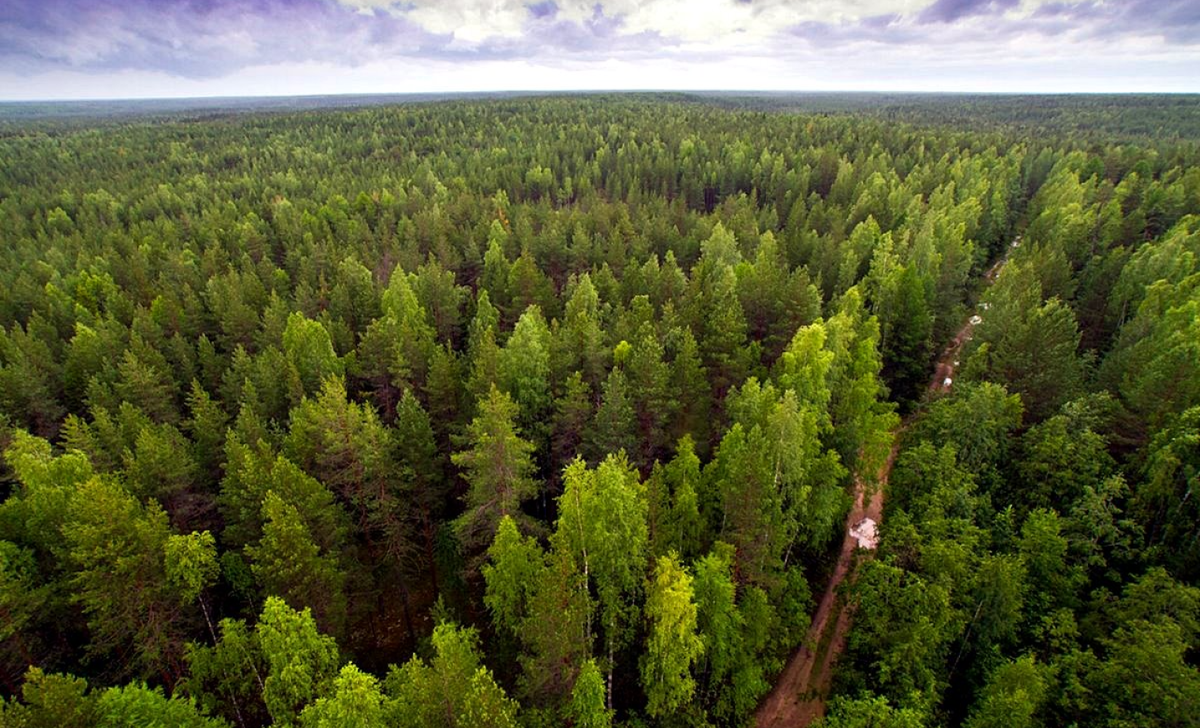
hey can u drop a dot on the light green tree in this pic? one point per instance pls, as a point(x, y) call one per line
point(301, 662)
point(354, 701)
point(454, 690)
point(672, 646)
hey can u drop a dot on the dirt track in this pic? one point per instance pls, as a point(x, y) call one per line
point(798, 697)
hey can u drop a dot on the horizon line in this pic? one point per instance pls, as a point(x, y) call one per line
point(589, 91)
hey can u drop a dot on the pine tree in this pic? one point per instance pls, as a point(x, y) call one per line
point(498, 468)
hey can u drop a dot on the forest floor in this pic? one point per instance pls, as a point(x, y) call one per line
point(798, 698)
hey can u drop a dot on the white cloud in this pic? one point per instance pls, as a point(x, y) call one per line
point(315, 47)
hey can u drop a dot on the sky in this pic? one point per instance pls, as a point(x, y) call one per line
point(77, 49)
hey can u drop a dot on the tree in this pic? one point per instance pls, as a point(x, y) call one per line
point(614, 428)
point(581, 340)
point(672, 496)
point(572, 413)
point(1060, 457)
point(160, 466)
point(116, 548)
point(310, 354)
point(869, 712)
point(778, 487)
point(51, 701)
point(648, 377)
point(288, 563)
point(301, 662)
point(1053, 581)
point(907, 330)
point(672, 645)
point(511, 574)
point(587, 709)
point(396, 348)
point(1029, 346)
point(861, 418)
point(141, 705)
point(1012, 697)
point(498, 469)
point(978, 421)
point(354, 701)
point(452, 691)
point(227, 678)
point(524, 373)
point(718, 316)
point(206, 426)
point(191, 568)
point(904, 627)
point(1144, 678)
point(1149, 367)
point(345, 446)
point(555, 632)
point(148, 387)
point(253, 472)
point(418, 454)
point(691, 389)
point(1164, 500)
point(442, 298)
point(602, 524)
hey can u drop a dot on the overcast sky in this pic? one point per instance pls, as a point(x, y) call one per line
point(158, 48)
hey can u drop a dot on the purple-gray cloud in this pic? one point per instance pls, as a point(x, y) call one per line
point(948, 11)
point(210, 39)
point(593, 38)
point(199, 38)
point(1175, 21)
point(547, 9)
point(1178, 21)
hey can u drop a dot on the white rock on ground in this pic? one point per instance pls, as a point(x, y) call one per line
point(865, 533)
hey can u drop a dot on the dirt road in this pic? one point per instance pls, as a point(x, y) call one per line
point(798, 697)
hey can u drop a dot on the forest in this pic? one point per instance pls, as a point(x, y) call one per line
point(549, 411)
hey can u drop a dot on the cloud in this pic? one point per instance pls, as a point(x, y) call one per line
point(948, 11)
point(1176, 21)
point(199, 38)
point(205, 40)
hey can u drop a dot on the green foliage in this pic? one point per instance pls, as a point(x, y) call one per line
point(452, 690)
point(354, 701)
point(672, 645)
point(1012, 697)
point(907, 325)
point(310, 354)
point(191, 563)
point(379, 365)
point(614, 428)
point(512, 571)
point(140, 705)
point(63, 701)
point(498, 469)
point(116, 548)
point(287, 562)
point(602, 525)
point(52, 701)
point(978, 421)
point(870, 712)
point(524, 373)
point(587, 709)
point(227, 678)
point(301, 662)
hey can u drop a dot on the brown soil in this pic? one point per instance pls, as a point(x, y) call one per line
point(798, 698)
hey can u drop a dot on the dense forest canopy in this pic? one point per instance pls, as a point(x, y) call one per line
point(548, 411)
